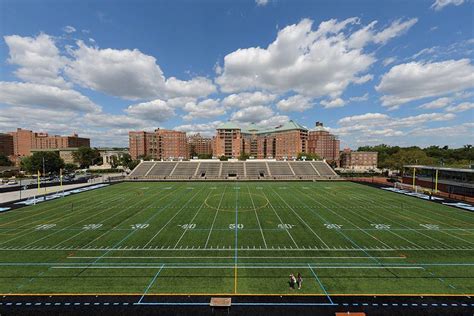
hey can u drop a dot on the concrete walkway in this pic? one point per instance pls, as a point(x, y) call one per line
point(15, 195)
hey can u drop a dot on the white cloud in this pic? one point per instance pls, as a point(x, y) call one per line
point(129, 74)
point(108, 120)
point(196, 87)
point(38, 59)
point(395, 29)
point(415, 80)
point(37, 95)
point(261, 3)
point(365, 97)
point(205, 129)
point(247, 99)
point(335, 103)
point(440, 4)
point(156, 110)
point(273, 121)
point(465, 106)
point(367, 117)
point(388, 61)
point(436, 104)
point(367, 34)
point(124, 73)
point(296, 103)
point(455, 131)
point(252, 114)
point(312, 63)
point(205, 109)
point(69, 29)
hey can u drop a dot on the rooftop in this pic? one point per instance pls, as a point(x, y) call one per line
point(255, 129)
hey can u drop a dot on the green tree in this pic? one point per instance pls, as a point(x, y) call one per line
point(205, 156)
point(49, 160)
point(70, 167)
point(86, 156)
point(244, 156)
point(223, 158)
point(5, 161)
point(309, 156)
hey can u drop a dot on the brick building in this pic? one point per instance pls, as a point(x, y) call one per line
point(6, 144)
point(24, 141)
point(282, 142)
point(160, 144)
point(198, 145)
point(361, 160)
point(323, 143)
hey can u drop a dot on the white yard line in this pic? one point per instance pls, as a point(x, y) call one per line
point(192, 220)
point(108, 218)
point(279, 218)
point(176, 214)
point(32, 230)
point(215, 216)
point(256, 216)
point(303, 221)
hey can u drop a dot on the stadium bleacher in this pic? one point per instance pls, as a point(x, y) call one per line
point(222, 170)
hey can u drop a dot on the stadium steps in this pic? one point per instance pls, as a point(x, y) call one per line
point(323, 168)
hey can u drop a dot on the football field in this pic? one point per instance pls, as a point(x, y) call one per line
point(237, 238)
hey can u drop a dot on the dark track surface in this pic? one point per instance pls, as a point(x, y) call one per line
point(248, 305)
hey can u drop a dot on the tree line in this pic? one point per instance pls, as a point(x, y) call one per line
point(394, 157)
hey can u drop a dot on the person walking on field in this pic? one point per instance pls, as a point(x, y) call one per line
point(292, 281)
point(299, 280)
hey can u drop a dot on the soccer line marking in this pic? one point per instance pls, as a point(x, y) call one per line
point(338, 231)
point(151, 283)
point(215, 216)
point(229, 257)
point(303, 221)
point(57, 218)
point(440, 213)
point(131, 233)
point(289, 266)
point(279, 218)
point(134, 204)
point(430, 219)
point(399, 236)
point(79, 199)
point(176, 214)
point(256, 215)
point(101, 222)
point(409, 218)
point(54, 214)
point(138, 202)
point(194, 217)
point(320, 284)
point(236, 237)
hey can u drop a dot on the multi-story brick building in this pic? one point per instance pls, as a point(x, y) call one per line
point(160, 144)
point(323, 143)
point(361, 160)
point(282, 142)
point(25, 140)
point(198, 145)
point(6, 144)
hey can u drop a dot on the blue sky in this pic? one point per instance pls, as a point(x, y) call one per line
point(397, 72)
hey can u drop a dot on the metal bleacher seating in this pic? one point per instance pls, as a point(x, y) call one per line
point(233, 170)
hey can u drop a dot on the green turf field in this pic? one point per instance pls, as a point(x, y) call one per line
point(237, 238)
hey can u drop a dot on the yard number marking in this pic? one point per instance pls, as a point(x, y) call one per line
point(44, 226)
point(430, 226)
point(139, 226)
point(92, 226)
point(333, 226)
point(239, 226)
point(285, 226)
point(188, 226)
point(380, 226)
